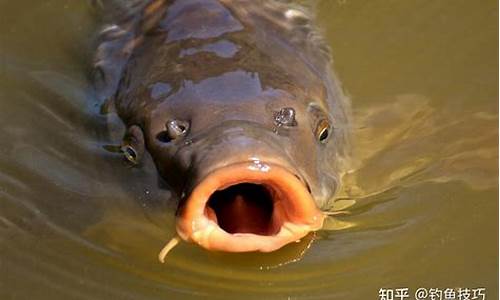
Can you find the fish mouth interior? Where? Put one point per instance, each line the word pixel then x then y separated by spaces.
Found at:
pixel 245 208
pixel 249 206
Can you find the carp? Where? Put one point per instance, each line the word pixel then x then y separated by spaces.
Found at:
pixel 237 104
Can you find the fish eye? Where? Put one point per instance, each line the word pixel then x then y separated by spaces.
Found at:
pixel 323 131
pixel 130 154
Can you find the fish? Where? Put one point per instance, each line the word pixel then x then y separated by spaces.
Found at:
pixel 237 103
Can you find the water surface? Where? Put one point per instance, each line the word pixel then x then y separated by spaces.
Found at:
pixel 76 222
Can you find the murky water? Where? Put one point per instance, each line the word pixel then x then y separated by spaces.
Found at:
pixel 422 198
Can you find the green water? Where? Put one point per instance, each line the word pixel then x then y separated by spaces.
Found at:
pixel 422 196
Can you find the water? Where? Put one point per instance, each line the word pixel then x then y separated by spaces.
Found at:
pixel 422 197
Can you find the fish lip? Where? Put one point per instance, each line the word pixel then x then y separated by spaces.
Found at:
pixel 299 215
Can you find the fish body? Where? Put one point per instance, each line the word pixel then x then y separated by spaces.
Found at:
pixel 238 107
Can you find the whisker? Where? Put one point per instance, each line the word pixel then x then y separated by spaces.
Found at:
pixel 167 248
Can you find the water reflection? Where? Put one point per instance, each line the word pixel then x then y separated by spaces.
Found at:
pixel 419 204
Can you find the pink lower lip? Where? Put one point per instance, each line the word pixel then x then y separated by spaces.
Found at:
pixel 293 215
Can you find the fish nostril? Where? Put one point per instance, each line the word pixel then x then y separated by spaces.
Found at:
pixel 285 117
pixel 174 130
pixel 163 137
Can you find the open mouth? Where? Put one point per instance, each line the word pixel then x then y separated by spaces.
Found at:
pixel 248 207
pixel 244 208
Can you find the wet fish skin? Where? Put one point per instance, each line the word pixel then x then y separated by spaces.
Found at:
pixel 214 83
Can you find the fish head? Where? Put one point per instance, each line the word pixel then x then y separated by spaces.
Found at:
pixel 248 162
pixel 243 119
